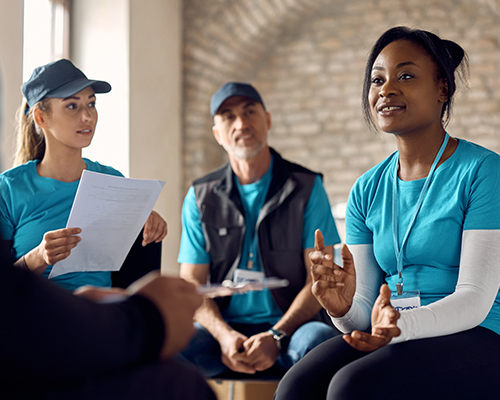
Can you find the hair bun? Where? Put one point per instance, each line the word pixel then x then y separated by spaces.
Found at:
pixel 455 52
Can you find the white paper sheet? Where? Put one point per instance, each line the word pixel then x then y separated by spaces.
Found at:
pixel 111 211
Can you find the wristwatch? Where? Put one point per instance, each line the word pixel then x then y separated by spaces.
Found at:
pixel 277 335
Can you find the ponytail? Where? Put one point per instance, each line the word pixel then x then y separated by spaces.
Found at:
pixel 455 52
pixel 458 60
pixel 30 138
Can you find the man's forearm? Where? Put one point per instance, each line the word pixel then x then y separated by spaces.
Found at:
pixel 209 316
pixel 305 306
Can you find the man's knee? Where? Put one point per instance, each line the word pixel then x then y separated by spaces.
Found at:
pixel 313 333
pixel 203 351
pixel 306 338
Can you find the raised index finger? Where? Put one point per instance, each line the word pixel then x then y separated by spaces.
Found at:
pixel 319 242
pixel 385 295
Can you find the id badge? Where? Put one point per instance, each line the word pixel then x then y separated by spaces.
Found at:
pixel 406 301
pixel 245 275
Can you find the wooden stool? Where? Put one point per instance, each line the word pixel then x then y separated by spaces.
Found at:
pixel 251 389
pixel 236 386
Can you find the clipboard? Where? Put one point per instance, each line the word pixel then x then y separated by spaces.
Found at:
pixel 228 288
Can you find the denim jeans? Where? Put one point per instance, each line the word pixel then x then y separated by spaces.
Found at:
pixel 204 351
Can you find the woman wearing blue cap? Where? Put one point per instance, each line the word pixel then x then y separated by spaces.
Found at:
pixel 57 120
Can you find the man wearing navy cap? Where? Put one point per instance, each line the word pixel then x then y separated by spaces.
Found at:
pixel 251 219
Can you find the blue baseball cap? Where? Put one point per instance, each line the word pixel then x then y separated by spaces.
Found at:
pixel 59 79
pixel 231 89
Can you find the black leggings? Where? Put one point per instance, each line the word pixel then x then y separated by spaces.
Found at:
pixel 465 365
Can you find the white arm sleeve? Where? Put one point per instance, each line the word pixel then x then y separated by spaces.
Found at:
pixel 368 280
pixel 476 290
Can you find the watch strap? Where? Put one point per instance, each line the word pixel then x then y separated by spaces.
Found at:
pixel 277 335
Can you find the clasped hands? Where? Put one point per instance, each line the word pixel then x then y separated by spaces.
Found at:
pixel 334 288
pixel 248 354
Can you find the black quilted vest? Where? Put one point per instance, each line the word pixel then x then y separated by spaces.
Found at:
pixel 279 225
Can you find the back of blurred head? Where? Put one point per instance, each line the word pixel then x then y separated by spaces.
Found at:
pixel 58 79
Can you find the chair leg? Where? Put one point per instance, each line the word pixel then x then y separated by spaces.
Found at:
pixel 231 390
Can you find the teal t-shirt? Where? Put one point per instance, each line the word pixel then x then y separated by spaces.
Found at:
pixel 259 306
pixel 31 205
pixel 463 195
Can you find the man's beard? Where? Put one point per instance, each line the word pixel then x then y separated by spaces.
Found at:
pixel 243 153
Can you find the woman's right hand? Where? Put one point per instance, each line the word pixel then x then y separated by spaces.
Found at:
pixel 55 246
pixel 333 286
pixel 384 325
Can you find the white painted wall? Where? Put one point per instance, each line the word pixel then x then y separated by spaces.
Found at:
pixel 155 104
pixel 100 48
pixel 36 43
pixel 11 68
pixel 136 46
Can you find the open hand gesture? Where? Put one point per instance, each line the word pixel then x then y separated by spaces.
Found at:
pixel 384 325
pixel 333 286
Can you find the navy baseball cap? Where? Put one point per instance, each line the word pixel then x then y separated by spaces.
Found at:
pixel 231 89
pixel 59 79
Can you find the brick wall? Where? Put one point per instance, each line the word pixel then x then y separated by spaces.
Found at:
pixel 307 59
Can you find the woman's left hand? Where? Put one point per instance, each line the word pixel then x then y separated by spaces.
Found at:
pixel 384 325
pixel 155 229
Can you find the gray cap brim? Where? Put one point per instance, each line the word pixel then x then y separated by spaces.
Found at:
pixel 78 85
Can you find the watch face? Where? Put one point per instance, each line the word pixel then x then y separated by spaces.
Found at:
pixel 277 334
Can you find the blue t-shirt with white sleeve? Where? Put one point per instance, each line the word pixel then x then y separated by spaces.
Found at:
pixel 259 306
pixel 31 205
pixel 463 195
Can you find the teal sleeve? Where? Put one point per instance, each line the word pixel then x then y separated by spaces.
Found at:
pixel 6 225
pixel 318 215
pixel 357 231
pixel 192 247
pixel 112 171
pixel 483 211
